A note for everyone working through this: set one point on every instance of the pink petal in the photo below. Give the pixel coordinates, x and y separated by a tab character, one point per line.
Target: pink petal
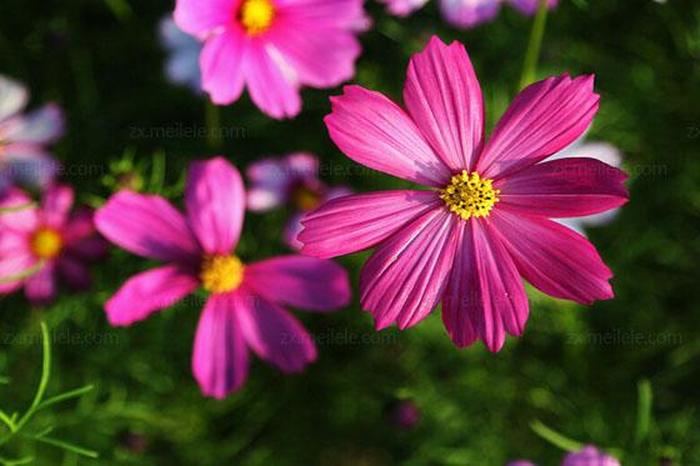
404	279
222	64
469	13
74	272
353	223
30	165
13	97
42	126
589	456
543	119
403	7
570	187
81	237
199	17
291	231
529	7
554	258
147	226
274	334
373	131
273	86
40	287
15	262
148	292
56	205
215	201
302	282
20	215
444	98
220	356
485	297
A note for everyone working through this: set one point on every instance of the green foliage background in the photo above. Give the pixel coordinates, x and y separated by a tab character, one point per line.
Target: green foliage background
576	369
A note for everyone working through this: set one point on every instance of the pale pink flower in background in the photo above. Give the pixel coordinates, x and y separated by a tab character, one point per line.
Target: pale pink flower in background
273	47
245	309
292	180
403	7
589	456
485	221
521	463
529	7
24	159
40	244
182	62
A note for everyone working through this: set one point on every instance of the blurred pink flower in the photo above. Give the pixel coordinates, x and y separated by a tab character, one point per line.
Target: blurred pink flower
182	62
520	463
485	221
529	7
39	244
24	137
403	7
589	456
245	307
290	180
273	47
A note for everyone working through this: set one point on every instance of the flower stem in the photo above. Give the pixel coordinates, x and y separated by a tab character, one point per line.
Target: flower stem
554	437
532	55
213	120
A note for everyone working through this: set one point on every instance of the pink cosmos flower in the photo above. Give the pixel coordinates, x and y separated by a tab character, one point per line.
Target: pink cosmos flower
273	47
485	220
24	137
589	456
245	306
294	180
40	244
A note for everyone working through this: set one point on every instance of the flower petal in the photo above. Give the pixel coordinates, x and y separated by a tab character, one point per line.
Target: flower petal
148	292
42	126
200	18
222	64
215	201
404	279
15	262
353	223
29	165
485	297
13	97
81	237
444	99
20	215
403	7
571	187
554	258
543	119
147	226
56	205
375	132
40	287
274	334
469	13
301	282
589	456
74	272
272	83
220	357
529	7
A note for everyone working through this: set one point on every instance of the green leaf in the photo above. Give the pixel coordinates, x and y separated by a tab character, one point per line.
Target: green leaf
644	407
77	393
67	446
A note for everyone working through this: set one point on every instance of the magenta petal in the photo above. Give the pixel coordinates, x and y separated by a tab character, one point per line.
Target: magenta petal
220	356
272	86
222	64
444	98
405	277
215	200
40	127
74	272
148	292
20	216
469	13
570	187
147	226
301	282
485	297
589	456
274	334
199	17
543	119
14	263
353	223
375	132
40	288
56	205
554	258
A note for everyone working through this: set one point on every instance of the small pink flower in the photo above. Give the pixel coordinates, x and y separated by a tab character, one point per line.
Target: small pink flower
403	7
293	180
245	307
589	456
529	7
39	244
24	137
273	47
485	221
520	463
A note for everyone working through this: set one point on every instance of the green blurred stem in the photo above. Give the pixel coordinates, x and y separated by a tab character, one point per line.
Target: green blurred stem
555	438
213	120
532	55
644	408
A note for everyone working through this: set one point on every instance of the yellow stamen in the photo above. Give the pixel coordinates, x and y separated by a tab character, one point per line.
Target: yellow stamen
221	274
46	243
305	199
256	16
468	195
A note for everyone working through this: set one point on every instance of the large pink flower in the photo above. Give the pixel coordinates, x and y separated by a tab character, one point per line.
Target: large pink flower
245	307
39	244
484	222
273	47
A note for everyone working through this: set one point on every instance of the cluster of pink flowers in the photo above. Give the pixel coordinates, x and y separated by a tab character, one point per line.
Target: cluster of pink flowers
588	456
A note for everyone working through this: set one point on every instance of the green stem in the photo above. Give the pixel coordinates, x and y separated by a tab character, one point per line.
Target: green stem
213	120
555	438
534	46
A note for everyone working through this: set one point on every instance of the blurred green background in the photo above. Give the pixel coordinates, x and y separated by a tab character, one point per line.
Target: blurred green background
576	369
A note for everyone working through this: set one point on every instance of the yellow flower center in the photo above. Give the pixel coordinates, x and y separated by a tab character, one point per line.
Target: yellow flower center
305	199
256	16
468	195
46	243
221	274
